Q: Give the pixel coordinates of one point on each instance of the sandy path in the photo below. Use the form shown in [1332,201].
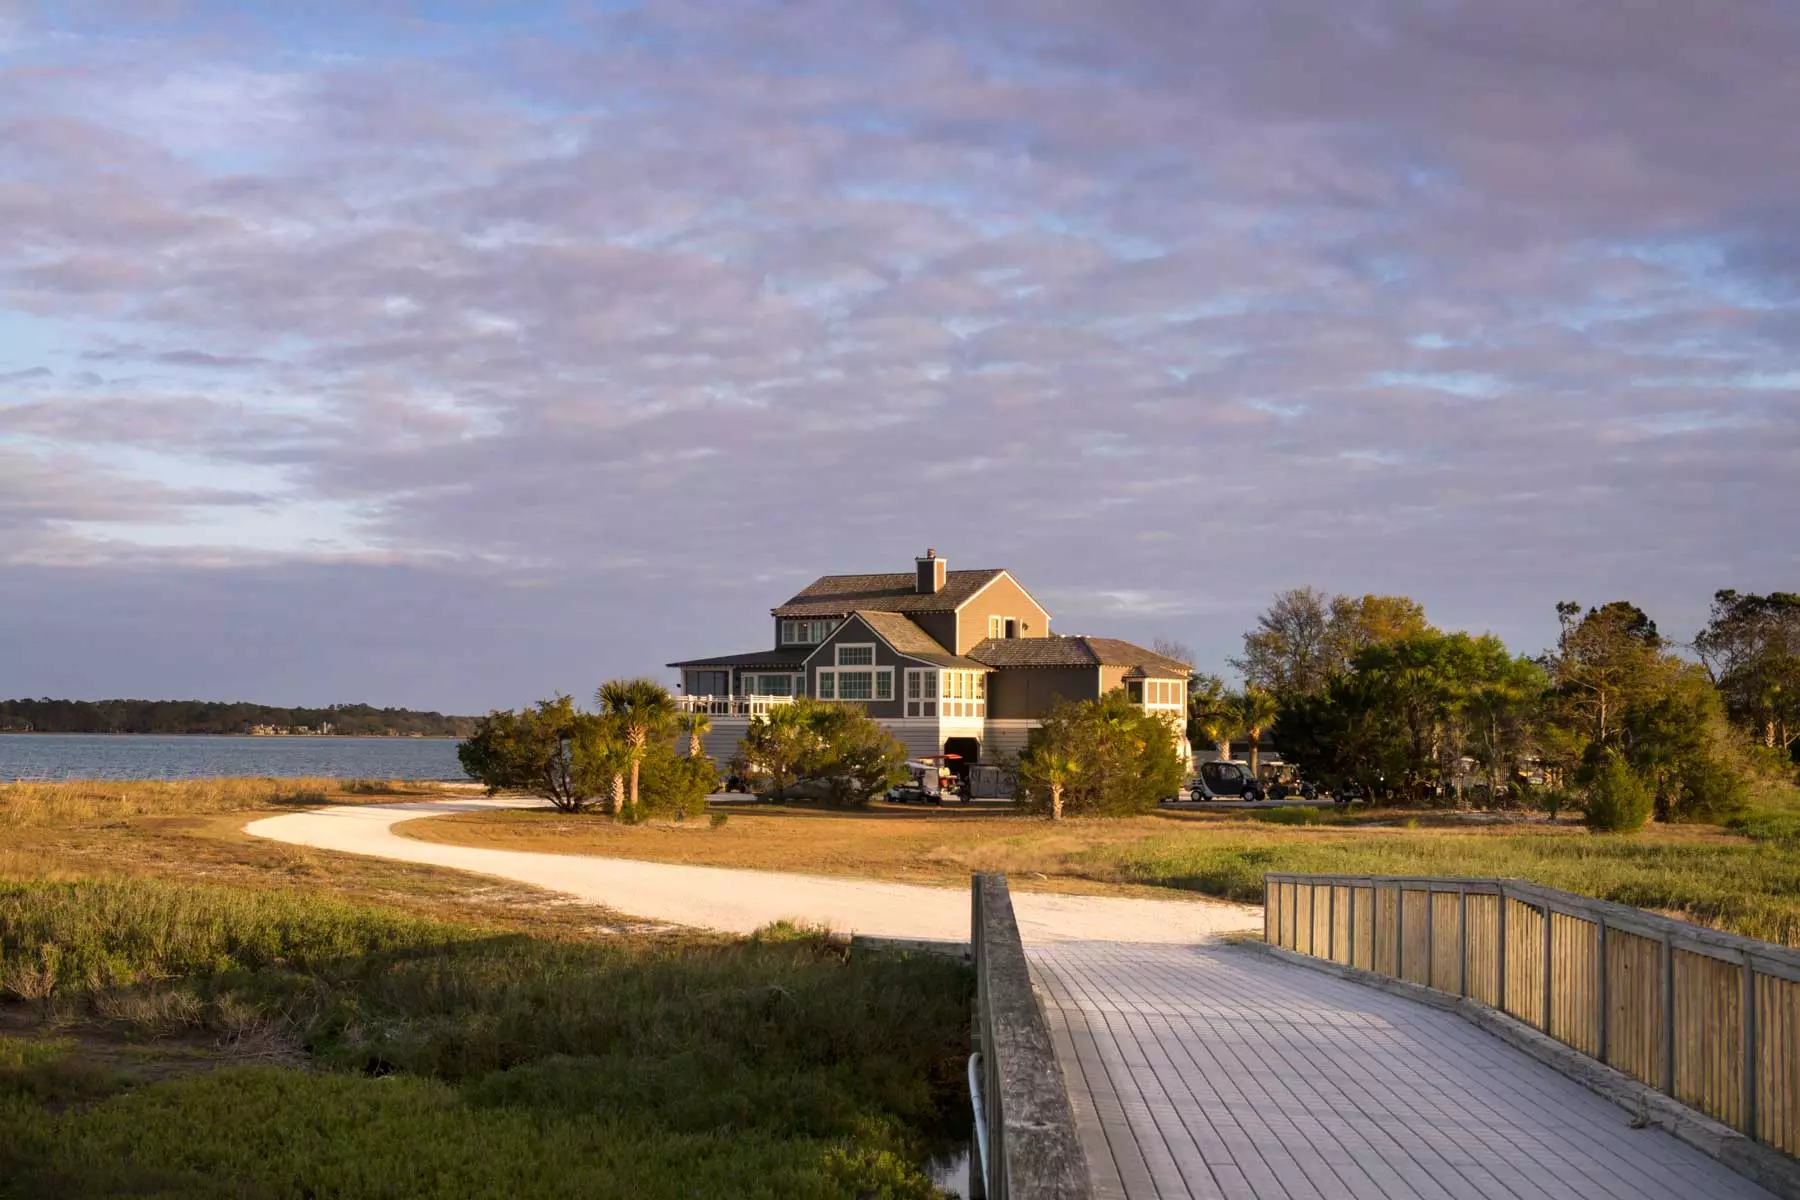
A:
[739,901]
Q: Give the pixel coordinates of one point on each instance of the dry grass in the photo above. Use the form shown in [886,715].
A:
[86,800]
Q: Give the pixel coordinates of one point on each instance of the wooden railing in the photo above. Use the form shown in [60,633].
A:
[1025,1131]
[731,706]
[1709,1018]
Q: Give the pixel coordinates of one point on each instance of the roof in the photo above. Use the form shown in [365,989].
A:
[907,638]
[1060,651]
[836,595]
[786,658]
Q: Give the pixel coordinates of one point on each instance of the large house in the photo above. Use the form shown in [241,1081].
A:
[953,662]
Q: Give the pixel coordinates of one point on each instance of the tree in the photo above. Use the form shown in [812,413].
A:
[1126,757]
[674,784]
[1213,720]
[1358,622]
[698,725]
[1751,648]
[1603,661]
[1288,653]
[643,709]
[1500,720]
[833,752]
[1679,742]
[550,750]
[1617,800]
[1256,712]
[1172,648]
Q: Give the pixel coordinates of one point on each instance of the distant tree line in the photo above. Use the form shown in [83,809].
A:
[204,716]
[1613,718]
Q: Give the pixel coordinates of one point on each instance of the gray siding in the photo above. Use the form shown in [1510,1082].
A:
[1027,693]
[854,631]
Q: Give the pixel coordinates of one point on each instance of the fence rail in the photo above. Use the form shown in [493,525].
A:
[1025,1130]
[1709,1018]
[731,706]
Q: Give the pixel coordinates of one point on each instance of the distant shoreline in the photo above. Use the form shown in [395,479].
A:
[255,737]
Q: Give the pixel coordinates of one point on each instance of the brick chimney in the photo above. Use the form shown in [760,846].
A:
[929,579]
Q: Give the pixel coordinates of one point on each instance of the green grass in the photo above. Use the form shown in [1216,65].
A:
[1747,885]
[448,1060]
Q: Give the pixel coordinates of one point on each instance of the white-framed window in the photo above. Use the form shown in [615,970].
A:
[855,654]
[964,693]
[921,692]
[856,684]
[1157,693]
[772,685]
[808,633]
[1003,627]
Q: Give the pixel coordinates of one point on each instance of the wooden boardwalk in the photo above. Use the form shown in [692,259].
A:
[1212,1071]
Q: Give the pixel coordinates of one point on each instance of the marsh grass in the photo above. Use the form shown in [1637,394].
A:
[472,1060]
[88,800]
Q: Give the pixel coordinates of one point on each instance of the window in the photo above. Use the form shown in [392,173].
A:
[964,693]
[996,627]
[867,683]
[1134,690]
[807,633]
[859,655]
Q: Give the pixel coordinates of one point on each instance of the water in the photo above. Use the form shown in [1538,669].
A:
[118,756]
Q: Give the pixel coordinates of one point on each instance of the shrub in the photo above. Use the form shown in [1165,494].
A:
[1618,801]
[674,785]
[818,750]
[1126,760]
[551,750]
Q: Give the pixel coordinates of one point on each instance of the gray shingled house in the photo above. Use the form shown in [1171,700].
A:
[954,662]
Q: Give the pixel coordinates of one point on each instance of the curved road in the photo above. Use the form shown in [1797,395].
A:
[739,901]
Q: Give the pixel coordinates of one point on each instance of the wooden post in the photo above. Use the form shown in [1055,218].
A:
[1549,949]
[1352,925]
[1668,1015]
[1399,931]
[1462,939]
[1331,922]
[1602,993]
[1748,1009]
[1430,937]
[1501,946]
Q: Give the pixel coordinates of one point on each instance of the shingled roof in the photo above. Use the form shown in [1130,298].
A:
[1060,651]
[907,638]
[837,595]
[784,659]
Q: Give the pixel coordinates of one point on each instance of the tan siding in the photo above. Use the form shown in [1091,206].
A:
[1027,693]
[1112,678]
[1001,598]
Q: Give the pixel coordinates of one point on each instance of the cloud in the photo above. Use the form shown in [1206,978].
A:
[1163,307]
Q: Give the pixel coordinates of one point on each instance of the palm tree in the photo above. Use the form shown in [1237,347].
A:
[1256,711]
[643,709]
[698,726]
[1057,768]
[1217,727]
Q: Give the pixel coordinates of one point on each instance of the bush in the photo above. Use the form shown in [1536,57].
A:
[818,750]
[1618,801]
[1124,757]
[674,785]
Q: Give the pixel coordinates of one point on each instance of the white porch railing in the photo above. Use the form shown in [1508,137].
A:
[731,706]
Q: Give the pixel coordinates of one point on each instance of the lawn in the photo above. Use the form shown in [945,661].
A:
[188,1012]
[1748,884]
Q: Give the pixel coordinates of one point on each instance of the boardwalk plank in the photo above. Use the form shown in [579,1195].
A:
[1210,1072]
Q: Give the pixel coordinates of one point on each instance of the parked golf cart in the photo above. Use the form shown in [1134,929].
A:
[1225,780]
[1281,781]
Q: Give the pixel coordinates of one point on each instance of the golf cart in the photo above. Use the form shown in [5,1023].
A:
[1225,780]
[1281,781]
[931,781]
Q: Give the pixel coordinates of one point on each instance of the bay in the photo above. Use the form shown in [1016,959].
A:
[53,756]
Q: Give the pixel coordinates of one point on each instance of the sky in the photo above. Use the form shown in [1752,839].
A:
[454,355]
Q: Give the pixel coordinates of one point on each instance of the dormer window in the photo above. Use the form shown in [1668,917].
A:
[1003,627]
[808,633]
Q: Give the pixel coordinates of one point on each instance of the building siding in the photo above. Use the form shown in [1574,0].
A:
[855,631]
[1001,598]
[1027,693]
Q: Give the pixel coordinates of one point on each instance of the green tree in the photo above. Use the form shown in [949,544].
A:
[697,725]
[1358,622]
[550,750]
[1256,712]
[644,710]
[814,748]
[674,784]
[1213,720]
[1680,744]
[1289,651]
[1500,718]
[1127,759]
[1605,660]
[1751,648]
[1618,801]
